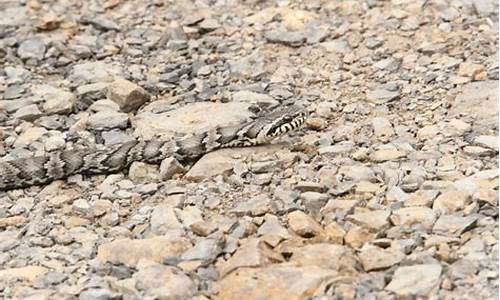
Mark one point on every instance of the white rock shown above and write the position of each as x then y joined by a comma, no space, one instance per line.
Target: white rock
418,280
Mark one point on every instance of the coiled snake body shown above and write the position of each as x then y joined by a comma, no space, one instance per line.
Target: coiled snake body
38,170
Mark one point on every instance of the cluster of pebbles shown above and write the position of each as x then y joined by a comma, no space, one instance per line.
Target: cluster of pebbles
390,191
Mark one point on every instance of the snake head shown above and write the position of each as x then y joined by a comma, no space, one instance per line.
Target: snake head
282,121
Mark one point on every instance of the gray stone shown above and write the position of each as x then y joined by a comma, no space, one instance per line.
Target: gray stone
337,46
453,224
93,72
115,137
209,24
96,294
28,113
13,92
188,119
381,96
357,173
105,120
484,7
289,38
489,141
255,206
206,249
224,160
480,100
252,97
33,48
89,93
100,23
419,280
56,100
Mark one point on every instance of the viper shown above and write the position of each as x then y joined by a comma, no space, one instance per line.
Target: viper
55,165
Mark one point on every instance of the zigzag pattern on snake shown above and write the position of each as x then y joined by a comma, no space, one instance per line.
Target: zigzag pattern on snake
38,170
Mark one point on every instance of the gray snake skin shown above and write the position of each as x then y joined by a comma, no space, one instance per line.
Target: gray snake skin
25,172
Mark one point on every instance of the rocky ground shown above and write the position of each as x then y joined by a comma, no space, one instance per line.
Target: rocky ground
390,191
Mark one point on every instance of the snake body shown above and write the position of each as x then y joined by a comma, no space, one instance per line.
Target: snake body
39,170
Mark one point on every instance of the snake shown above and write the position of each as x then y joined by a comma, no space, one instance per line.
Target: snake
60,164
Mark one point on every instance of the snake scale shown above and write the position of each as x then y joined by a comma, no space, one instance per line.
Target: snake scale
39,170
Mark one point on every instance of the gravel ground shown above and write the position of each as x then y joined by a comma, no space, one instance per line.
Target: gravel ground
390,191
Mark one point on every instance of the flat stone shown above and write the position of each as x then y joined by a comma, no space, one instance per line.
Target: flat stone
195,117
488,141
450,201
15,221
274,282
374,258
386,155
96,293
89,93
104,105
129,252
252,253
335,233
256,206
206,250
32,49
164,282
428,132
327,256
381,96
29,273
382,127
420,280
29,135
272,226
357,173
339,148
453,224
337,46
56,100
105,120
209,24
484,7
289,38
375,220
476,151
28,113
479,100
415,215
223,160
469,69
93,72
358,236
128,95
163,219
142,172
252,97
13,92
